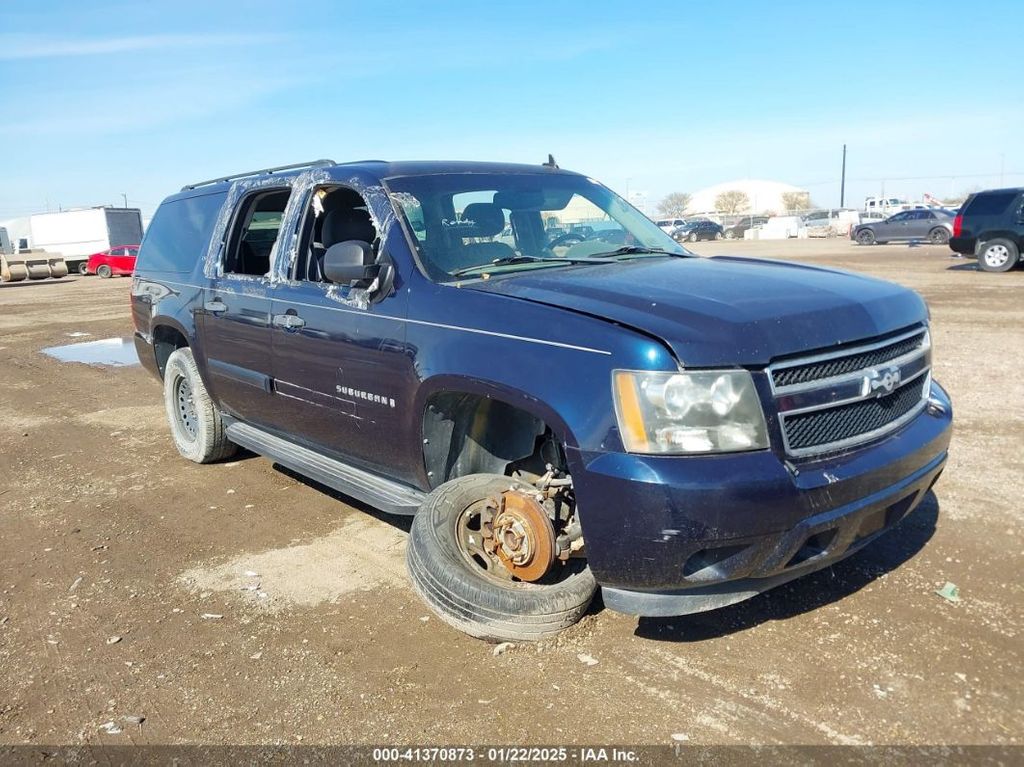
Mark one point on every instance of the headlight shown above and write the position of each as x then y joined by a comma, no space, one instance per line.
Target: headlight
688,412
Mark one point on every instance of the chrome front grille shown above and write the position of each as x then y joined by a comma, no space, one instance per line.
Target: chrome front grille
803,372
835,400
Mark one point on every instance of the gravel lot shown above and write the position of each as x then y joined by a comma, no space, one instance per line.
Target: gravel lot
125,585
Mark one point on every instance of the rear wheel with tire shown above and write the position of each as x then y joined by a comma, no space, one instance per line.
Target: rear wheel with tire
104,271
83,267
196,425
718,235
730,234
482,555
938,236
865,237
997,256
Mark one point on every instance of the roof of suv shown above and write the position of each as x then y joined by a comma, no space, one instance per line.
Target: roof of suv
424,167
381,169
1013,189
990,203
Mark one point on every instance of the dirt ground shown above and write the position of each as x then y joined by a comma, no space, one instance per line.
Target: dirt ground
238,604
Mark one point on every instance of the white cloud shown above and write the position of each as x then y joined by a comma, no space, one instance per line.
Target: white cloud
17,47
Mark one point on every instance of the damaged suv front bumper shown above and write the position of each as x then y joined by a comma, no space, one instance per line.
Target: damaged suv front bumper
672,536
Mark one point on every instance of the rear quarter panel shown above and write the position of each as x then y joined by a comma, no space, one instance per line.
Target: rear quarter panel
168,292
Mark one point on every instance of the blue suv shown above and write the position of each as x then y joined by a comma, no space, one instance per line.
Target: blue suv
564,397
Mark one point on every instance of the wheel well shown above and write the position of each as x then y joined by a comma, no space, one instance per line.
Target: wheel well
165,340
471,434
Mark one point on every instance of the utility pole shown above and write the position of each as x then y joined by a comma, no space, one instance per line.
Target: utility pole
125,196
842,183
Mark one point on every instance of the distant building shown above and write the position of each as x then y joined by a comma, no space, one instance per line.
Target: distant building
762,196
640,201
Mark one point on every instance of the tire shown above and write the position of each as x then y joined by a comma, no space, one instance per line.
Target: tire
197,431
938,236
997,256
865,237
730,234
104,271
467,599
692,237
718,235
83,268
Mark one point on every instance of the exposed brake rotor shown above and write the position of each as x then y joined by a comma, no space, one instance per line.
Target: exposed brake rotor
523,536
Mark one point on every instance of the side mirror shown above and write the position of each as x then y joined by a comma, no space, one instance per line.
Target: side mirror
350,263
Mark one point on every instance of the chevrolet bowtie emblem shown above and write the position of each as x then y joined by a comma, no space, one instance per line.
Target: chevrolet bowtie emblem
880,382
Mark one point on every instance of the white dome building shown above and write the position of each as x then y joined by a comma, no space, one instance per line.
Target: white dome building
763,196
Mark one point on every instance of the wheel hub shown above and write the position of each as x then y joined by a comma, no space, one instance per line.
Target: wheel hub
186,407
524,537
508,537
997,255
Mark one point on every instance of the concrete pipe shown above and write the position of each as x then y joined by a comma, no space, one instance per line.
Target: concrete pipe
38,271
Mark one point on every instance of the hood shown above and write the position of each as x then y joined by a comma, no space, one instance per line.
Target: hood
724,311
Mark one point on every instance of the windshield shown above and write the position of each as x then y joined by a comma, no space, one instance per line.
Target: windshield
469,224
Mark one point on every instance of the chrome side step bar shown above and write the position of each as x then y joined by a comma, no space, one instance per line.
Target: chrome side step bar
383,494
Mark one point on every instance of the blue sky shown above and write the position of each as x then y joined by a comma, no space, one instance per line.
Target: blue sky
102,98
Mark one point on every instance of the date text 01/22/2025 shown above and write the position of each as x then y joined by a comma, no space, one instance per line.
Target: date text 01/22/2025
504,754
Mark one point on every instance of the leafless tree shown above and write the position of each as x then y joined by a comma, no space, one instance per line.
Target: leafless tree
796,200
674,205
732,201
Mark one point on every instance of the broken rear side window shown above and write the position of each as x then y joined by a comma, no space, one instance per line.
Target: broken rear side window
255,233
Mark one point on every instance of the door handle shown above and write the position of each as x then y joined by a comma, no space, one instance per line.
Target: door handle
216,306
289,321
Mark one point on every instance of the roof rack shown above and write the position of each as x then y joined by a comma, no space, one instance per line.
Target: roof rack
262,171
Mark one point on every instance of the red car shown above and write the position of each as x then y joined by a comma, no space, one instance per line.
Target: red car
119,259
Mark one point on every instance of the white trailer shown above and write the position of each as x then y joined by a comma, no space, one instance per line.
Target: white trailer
77,234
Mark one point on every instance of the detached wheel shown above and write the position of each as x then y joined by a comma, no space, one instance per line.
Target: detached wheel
938,236
865,237
196,425
997,256
104,271
481,555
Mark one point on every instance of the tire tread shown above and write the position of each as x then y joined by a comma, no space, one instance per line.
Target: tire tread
212,443
467,601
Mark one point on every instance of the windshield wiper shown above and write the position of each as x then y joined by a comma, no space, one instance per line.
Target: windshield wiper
630,250
511,260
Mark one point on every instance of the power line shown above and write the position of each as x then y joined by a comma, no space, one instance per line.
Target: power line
945,177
